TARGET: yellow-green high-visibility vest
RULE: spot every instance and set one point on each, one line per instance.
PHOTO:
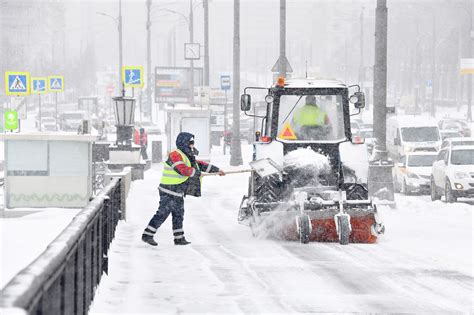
(309, 115)
(170, 176)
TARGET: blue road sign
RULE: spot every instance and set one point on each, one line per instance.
(133, 76)
(17, 83)
(56, 84)
(38, 85)
(225, 82)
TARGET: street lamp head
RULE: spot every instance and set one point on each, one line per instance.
(124, 110)
(125, 117)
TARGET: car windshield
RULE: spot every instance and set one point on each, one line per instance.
(318, 117)
(420, 134)
(421, 160)
(462, 157)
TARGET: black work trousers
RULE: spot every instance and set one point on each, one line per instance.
(169, 204)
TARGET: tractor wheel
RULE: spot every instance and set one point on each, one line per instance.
(344, 229)
(304, 228)
(448, 193)
(434, 192)
(253, 225)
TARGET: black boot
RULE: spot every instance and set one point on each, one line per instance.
(181, 241)
(149, 239)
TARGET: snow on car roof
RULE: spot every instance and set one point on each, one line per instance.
(414, 121)
(463, 147)
(314, 83)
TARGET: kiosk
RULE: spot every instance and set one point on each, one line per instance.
(45, 170)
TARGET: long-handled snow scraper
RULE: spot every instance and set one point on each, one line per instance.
(263, 167)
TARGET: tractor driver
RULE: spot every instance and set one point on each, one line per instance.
(310, 121)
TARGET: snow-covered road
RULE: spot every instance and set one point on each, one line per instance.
(424, 263)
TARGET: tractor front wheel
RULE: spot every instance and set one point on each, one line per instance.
(304, 228)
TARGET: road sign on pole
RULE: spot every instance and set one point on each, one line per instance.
(10, 120)
(225, 82)
(133, 76)
(467, 66)
(192, 51)
(55, 84)
(17, 83)
(38, 85)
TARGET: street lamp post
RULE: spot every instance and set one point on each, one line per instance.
(235, 148)
(148, 60)
(120, 47)
(191, 61)
(205, 4)
(118, 22)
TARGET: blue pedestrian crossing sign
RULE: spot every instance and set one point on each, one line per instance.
(17, 83)
(38, 85)
(132, 76)
(56, 83)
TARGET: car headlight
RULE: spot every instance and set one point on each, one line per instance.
(460, 175)
(412, 175)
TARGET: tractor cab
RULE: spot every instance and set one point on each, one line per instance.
(305, 113)
(305, 122)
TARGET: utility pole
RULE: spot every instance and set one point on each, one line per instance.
(380, 168)
(148, 61)
(235, 148)
(469, 78)
(205, 4)
(120, 86)
(191, 61)
(282, 66)
(433, 69)
(282, 70)
(361, 66)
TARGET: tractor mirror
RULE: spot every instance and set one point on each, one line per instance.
(358, 99)
(245, 102)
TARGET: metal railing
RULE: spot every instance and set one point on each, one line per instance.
(63, 279)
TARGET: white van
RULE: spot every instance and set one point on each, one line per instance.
(411, 134)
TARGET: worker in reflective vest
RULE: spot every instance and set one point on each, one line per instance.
(310, 121)
(181, 177)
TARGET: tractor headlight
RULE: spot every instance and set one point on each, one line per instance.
(460, 175)
(412, 176)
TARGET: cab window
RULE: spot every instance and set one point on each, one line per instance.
(313, 118)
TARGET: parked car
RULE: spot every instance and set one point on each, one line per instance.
(450, 133)
(412, 172)
(71, 120)
(448, 142)
(452, 174)
(453, 123)
(49, 124)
